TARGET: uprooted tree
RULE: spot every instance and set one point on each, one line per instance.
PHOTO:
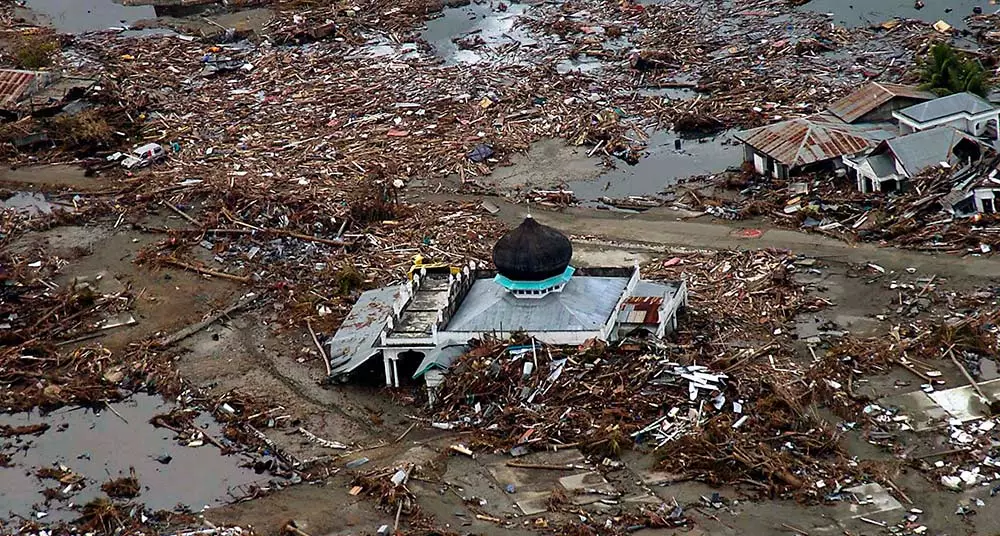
(945, 71)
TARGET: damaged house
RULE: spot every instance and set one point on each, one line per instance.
(891, 164)
(875, 102)
(814, 143)
(30, 92)
(419, 328)
(976, 190)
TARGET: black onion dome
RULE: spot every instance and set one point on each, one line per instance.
(532, 252)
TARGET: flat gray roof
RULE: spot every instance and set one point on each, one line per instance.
(945, 106)
(921, 150)
(655, 289)
(585, 304)
(418, 318)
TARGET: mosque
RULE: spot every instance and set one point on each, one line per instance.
(420, 327)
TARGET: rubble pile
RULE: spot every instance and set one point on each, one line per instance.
(915, 219)
(704, 401)
(290, 154)
(745, 73)
(255, 240)
(208, 100)
(37, 318)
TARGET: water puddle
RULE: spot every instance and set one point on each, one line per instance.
(582, 64)
(30, 203)
(76, 16)
(101, 446)
(854, 14)
(669, 93)
(661, 165)
(380, 47)
(470, 34)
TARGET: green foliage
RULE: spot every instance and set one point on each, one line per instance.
(944, 72)
(34, 52)
(347, 279)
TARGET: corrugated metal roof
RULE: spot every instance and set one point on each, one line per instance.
(14, 84)
(803, 141)
(640, 310)
(958, 103)
(871, 96)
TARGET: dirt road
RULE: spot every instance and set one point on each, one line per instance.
(661, 227)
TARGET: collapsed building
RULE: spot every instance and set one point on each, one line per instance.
(876, 102)
(883, 136)
(420, 327)
(975, 190)
(33, 92)
(892, 163)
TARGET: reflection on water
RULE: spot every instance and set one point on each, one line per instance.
(853, 13)
(75, 16)
(103, 445)
(661, 165)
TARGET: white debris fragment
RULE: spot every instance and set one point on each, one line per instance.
(951, 482)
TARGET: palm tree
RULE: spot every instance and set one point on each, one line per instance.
(944, 72)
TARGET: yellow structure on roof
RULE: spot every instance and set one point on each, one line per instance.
(419, 263)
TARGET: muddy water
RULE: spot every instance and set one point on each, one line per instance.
(661, 165)
(28, 203)
(862, 13)
(97, 445)
(496, 28)
(75, 16)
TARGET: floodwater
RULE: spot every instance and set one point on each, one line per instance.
(76, 16)
(855, 13)
(495, 28)
(662, 165)
(30, 203)
(101, 446)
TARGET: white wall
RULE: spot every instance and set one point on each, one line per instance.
(985, 194)
(975, 124)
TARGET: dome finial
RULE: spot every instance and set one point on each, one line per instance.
(532, 252)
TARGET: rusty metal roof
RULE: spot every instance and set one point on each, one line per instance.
(871, 96)
(803, 141)
(640, 310)
(14, 84)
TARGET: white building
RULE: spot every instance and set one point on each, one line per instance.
(964, 111)
(420, 327)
